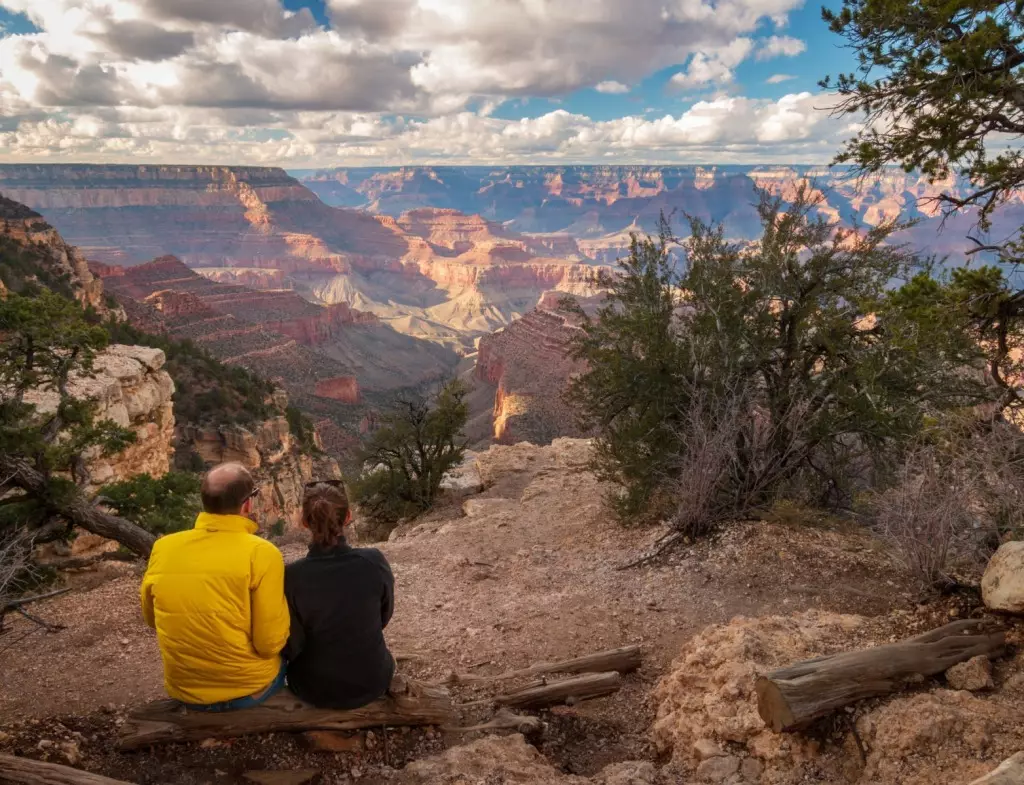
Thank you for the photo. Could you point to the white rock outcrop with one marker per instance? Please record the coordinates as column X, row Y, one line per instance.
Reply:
column 1002, row 586
column 132, row 389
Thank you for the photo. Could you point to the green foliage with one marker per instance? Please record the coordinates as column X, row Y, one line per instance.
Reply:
column 631, row 394
column 46, row 342
column 24, row 270
column 207, row 391
column 160, row 505
column 277, row 528
column 302, row 429
column 406, row 458
column 776, row 364
column 939, row 86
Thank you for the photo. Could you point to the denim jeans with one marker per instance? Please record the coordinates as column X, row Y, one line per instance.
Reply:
column 246, row 701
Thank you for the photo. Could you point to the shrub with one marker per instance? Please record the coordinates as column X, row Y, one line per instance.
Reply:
column 162, row 506
column 406, row 458
column 762, row 371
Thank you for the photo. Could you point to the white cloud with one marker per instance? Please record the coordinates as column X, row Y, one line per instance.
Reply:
column 736, row 129
column 779, row 78
column 714, row 66
column 386, row 81
column 780, row 46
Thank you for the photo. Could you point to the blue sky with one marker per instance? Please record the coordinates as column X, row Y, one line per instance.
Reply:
column 318, row 82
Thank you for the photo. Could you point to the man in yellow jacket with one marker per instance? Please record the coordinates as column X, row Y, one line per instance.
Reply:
column 215, row 596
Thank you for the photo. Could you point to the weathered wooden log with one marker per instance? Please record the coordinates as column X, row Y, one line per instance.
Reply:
column 624, row 660
column 544, row 694
column 1009, row 772
column 504, row 720
column 790, row 698
column 166, row 722
column 24, row 771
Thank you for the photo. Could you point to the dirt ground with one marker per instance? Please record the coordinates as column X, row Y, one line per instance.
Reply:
column 526, row 571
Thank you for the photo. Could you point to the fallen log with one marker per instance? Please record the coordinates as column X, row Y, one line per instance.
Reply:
column 1009, row 772
column 543, row 694
column 166, row 722
column 624, row 660
column 790, row 698
column 504, row 720
column 23, row 771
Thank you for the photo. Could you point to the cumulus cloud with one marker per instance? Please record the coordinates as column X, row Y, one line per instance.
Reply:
column 384, row 80
column 714, row 66
column 796, row 126
column 779, row 78
column 780, row 46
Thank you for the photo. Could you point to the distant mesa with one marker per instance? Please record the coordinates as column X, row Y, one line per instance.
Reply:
column 342, row 388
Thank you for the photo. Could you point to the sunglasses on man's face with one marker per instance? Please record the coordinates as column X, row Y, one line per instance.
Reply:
column 253, row 495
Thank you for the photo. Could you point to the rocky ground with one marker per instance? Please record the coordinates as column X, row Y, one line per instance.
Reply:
column 528, row 570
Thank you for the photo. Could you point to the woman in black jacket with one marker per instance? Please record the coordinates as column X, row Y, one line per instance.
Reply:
column 341, row 598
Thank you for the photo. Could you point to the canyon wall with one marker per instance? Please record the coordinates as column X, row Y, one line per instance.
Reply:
column 528, row 364
column 280, row 465
column 432, row 273
column 600, row 205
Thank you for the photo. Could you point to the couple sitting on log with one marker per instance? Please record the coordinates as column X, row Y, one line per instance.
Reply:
column 234, row 625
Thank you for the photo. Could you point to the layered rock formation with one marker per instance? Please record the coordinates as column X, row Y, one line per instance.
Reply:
column 528, row 365
column 599, row 205
column 132, row 389
column 269, row 449
column 431, row 273
column 27, row 231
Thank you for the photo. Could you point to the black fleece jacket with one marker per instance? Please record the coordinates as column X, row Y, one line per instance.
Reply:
column 340, row 599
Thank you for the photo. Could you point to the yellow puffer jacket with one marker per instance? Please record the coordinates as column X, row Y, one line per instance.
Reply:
column 215, row 595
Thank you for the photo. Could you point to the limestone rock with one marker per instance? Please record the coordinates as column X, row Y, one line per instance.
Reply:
column 628, row 773
column 465, row 476
column 974, row 675
column 1002, row 586
column 718, row 769
column 132, row 389
column 494, row 759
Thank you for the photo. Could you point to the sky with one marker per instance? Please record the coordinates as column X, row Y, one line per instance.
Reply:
column 319, row 83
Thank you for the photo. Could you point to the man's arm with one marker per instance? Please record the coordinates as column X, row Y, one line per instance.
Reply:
column 270, row 621
column 146, row 593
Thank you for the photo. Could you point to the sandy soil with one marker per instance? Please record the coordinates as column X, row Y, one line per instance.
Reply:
column 525, row 571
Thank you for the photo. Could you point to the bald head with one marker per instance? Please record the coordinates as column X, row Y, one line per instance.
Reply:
column 226, row 488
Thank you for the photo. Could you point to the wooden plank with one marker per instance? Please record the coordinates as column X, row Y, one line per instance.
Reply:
column 24, row 771
column 790, row 698
column 166, row 722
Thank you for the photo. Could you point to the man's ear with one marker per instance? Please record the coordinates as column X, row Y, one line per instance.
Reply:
column 246, row 507
column 348, row 517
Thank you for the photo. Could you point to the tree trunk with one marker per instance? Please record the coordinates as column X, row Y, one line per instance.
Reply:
column 542, row 694
column 23, row 771
column 76, row 508
column 165, row 722
column 624, row 660
column 1009, row 772
column 790, row 698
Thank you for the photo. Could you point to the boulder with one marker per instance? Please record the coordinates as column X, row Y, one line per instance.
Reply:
column 973, row 675
column 1002, row 586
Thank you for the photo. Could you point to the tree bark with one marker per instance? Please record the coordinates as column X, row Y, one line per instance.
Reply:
column 624, row 660
column 24, row 771
column 790, row 698
column 542, row 695
column 76, row 508
column 1009, row 772
column 166, row 722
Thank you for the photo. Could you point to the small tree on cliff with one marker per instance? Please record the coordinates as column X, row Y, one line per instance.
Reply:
column 46, row 342
column 405, row 459
column 759, row 370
